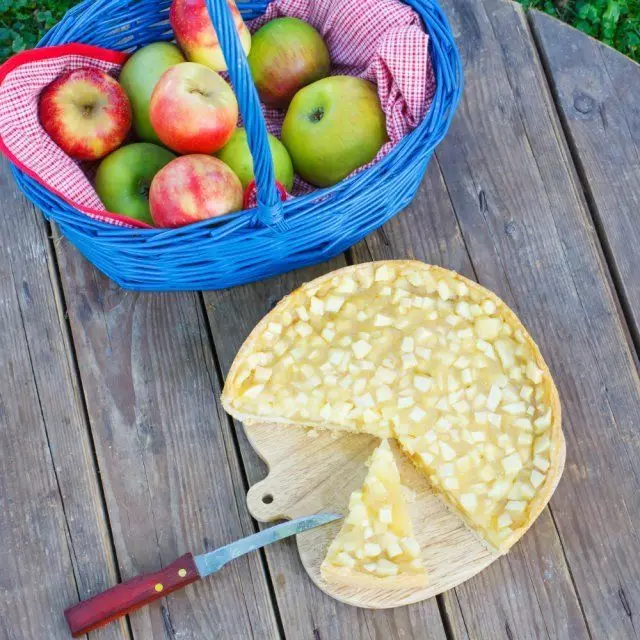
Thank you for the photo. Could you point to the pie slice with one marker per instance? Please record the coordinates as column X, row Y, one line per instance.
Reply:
column 412, row 351
column 376, row 546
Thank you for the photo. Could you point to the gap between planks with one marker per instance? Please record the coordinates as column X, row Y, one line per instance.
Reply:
column 39, row 314
column 598, row 266
column 56, row 283
column 245, row 480
column 615, row 277
column 208, row 380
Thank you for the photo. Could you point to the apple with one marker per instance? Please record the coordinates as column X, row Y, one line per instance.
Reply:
column 192, row 188
column 286, row 55
column 124, row 177
column 86, row 113
column 192, row 109
column 250, row 198
column 140, row 75
column 332, row 127
column 194, row 32
column 236, row 154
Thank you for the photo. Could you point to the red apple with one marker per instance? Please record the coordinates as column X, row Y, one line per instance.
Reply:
column 250, row 199
column 196, row 36
column 193, row 188
column 192, row 109
column 86, row 113
column 286, row 55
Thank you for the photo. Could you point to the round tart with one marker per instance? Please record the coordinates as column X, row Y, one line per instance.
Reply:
column 415, row 352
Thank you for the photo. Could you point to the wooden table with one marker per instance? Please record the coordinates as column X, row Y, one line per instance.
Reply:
column 116, row 456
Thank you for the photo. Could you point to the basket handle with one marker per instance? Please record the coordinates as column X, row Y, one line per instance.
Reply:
column 269, row 204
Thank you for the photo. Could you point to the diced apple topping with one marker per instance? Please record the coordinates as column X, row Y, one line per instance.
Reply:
column 537, row 478
column 487, row 328
column 504, row 520
column 361, row 349
column 414, row 353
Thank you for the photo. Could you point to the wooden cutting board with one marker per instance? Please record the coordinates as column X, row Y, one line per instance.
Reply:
column 313, row 473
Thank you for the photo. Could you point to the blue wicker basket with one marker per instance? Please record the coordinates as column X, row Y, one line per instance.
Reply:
column 275, row 236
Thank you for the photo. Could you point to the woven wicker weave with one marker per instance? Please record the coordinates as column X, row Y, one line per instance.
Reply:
column 275, row 236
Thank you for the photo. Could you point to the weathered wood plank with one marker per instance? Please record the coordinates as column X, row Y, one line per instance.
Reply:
column 307, row 613
column 515, row 594
column 529, row 234
column 169, row 477
column 597, row 92
column 55, row 541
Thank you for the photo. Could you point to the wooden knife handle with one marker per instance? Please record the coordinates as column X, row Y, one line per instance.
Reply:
column 130, row 595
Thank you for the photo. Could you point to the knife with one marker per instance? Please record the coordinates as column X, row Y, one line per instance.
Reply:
column 141, row 590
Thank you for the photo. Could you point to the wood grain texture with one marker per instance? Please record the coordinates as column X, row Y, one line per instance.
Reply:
column 519, row 203
column 306, row 612
column 168, row 475
column 515, row 592
column 55, row 541
column 597, row 92
column 312, row 471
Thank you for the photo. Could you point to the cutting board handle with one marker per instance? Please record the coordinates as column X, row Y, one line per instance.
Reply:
column 263, row 502
column 130, row 595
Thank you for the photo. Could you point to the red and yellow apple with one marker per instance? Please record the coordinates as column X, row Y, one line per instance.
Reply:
column 193, row 188
column 86, row 113
column 286, row 55
column 196, row 36
column 192, row 109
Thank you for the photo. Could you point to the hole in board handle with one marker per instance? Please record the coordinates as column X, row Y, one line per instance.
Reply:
column 267, row 498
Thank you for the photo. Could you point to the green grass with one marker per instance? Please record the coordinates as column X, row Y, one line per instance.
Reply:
column 615, row 22
column 24, row 22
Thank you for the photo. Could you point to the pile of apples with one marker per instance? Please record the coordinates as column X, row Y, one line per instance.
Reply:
column 192, row 162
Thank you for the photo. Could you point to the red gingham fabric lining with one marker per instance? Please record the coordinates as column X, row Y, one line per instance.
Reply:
column 24, row 140
column 380, row 40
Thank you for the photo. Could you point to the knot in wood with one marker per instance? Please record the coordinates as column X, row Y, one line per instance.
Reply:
column 583, row 103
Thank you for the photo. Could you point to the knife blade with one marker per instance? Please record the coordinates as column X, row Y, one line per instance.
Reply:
column 211, row 562
column 141, row 590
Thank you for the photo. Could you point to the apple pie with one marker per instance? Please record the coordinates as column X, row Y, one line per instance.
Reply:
column 415, row 352
column 376, row 546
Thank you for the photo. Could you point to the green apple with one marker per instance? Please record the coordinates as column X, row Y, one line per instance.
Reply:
column 139, row 77
column 124, row 177
column 332, row 127
column 236, row 154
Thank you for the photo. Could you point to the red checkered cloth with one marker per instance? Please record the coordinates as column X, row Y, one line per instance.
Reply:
column 23, row 139
column 380, row 40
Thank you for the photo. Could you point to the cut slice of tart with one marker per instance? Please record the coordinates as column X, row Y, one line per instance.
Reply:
column 412, row 351
column 376, row 546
